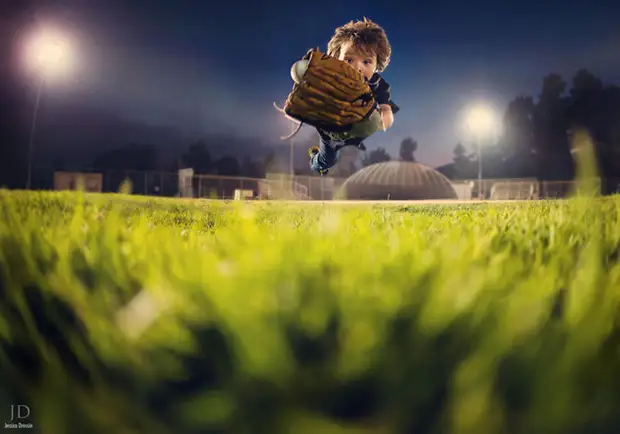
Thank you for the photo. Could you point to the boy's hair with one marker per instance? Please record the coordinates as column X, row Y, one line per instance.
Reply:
column 365, row 35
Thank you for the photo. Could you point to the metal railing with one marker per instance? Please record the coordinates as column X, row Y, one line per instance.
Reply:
column 273, row 186
column 284, row 186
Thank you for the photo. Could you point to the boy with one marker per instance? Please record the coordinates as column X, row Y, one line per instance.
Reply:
column 364, row 45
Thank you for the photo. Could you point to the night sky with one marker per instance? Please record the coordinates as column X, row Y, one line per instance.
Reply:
column 216, row 67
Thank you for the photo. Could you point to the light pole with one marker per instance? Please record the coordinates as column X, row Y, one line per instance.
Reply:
column 292, row 155
column 480, row 192
column 481, row 124
column 47, row 54
column 32, row 130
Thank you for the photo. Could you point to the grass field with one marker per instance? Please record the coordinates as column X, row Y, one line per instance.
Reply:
column 126, row 314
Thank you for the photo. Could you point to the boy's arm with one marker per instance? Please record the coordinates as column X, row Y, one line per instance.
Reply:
column 387, row 116
column 386, row 107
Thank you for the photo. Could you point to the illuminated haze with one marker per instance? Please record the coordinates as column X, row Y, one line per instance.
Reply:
column 205, row 69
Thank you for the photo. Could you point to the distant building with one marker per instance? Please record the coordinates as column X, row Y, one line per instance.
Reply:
column 397, row 180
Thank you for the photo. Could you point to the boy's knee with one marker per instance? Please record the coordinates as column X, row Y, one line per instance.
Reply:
column 324, row 159
column 330, row 158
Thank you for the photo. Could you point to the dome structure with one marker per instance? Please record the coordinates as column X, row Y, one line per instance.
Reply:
column 397, row 180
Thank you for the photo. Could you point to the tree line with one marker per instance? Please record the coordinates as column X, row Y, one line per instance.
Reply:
column 535, row 140
column 536, row 134
column 144, row 157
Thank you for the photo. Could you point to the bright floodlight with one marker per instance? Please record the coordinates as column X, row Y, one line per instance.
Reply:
column 49, row 53
column 480, row 121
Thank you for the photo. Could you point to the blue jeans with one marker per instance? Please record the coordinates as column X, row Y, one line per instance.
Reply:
column 329, row 151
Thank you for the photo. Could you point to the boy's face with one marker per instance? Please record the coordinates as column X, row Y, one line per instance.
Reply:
column 363, row 60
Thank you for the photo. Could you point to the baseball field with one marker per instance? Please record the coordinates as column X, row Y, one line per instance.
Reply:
column 125, row 314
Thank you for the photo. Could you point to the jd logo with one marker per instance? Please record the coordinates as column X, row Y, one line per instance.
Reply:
column 19, row 412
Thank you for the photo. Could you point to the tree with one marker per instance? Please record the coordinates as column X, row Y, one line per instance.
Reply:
column 463, row 163
column 251, row 168
column 586, row 86
column 198, row 158
column 587, row 104
column 536, row 139
column 587, row 110
column 612, row 137
column 554, row 158
column 133, row 156
column 227, row 166
column 519, row 134
column 407, row 147
column 518, row 148
column 379, row 155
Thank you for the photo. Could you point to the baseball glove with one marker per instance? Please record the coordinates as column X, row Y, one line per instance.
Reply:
column 330, row 94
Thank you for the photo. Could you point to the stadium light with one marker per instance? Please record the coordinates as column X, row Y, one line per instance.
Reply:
column 482, row 125
column 48, row 54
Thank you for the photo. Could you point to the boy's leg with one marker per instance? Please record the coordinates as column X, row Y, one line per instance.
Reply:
column 358, row 142
column 324, row 156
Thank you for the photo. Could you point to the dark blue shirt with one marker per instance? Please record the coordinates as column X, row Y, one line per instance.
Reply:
column 381, row 89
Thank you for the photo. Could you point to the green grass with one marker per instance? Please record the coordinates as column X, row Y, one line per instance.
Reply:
column 125, row 314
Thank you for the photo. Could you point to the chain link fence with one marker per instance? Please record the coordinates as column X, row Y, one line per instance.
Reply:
column 284, row 186
column 528, row 188
column 273, row 186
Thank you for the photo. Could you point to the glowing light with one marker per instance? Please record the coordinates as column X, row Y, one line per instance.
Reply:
column 481, row 120
column 49, row 53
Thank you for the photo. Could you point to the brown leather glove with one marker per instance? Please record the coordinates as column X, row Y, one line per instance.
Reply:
column 330, row 94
